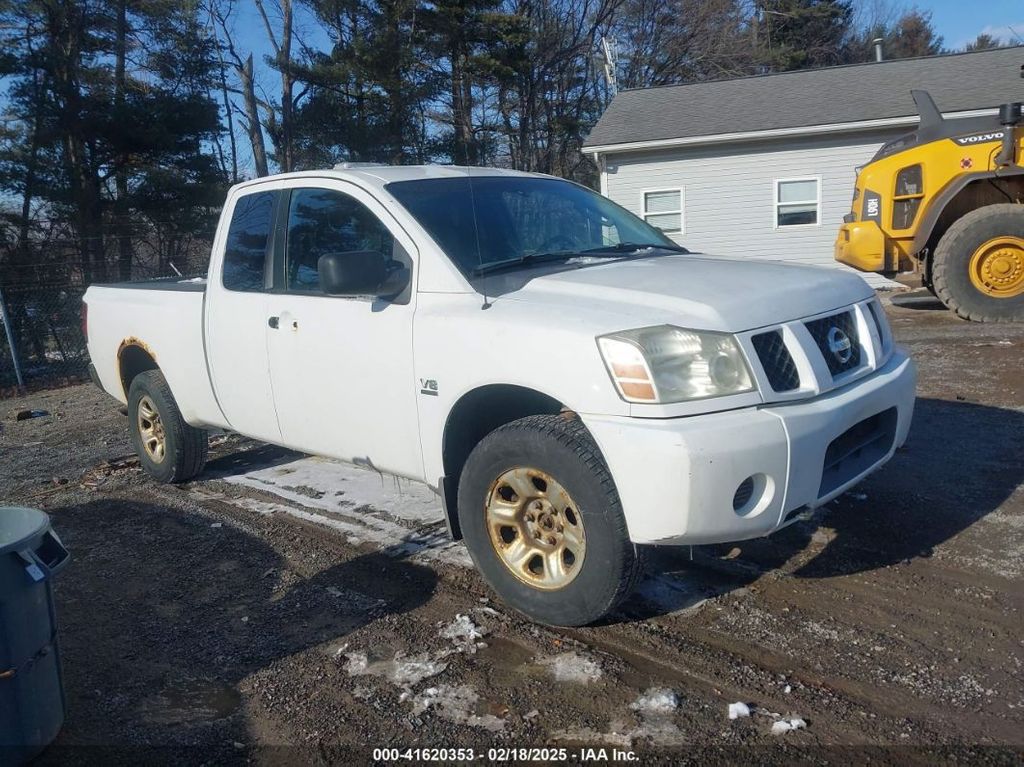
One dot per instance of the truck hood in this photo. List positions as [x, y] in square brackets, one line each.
[695, 291]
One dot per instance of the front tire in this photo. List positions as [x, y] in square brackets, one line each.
[543, 523]
[978, 267]
[169, 449]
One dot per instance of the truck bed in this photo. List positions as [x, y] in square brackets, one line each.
[164, 318]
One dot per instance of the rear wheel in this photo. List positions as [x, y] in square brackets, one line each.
[978, 267]
[169, 449]
[543, 522]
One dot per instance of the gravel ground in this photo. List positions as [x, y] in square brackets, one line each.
[219, 622]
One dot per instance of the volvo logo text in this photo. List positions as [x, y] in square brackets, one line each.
[839, 344]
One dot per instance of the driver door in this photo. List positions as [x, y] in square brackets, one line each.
[342, 367]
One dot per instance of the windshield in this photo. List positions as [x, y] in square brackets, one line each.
[485, 220]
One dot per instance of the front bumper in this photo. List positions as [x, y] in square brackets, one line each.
[678, 478]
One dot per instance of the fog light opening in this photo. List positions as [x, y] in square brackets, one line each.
[743, 494]
[753, 495]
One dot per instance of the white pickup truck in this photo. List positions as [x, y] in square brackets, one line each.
[570, 381]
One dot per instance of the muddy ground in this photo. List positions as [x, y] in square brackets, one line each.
[245, 615]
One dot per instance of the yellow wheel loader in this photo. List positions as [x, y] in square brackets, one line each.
[946, 201]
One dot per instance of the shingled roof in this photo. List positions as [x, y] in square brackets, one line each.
[790, 100]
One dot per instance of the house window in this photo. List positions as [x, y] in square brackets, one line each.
[663, 209]
[797, 202]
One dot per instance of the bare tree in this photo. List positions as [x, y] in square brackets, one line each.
[220, 13]
[281, 130]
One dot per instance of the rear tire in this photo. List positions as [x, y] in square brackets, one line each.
[168, 448]
[978, 265]
[566, 490]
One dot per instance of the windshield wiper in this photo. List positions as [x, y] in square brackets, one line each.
[633, 247]
[605, 251]
[529, 258]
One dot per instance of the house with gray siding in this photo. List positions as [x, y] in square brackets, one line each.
[764, 166]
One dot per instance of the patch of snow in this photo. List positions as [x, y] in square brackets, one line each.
[402, 670]
[738, 710]
[463, 628]
[341, 486]
[456, 704]
[586, 260]
[656, 700]
[356, 664]
[397, 541]
[786, 725]
[395, 514]
[572, 667]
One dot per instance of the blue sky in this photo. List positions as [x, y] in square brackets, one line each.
[961, 21]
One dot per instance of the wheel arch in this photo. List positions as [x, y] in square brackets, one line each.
[962, 195]
[134, 356]
[474, 415]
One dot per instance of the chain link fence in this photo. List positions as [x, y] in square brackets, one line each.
[43, 344]
[42, 341]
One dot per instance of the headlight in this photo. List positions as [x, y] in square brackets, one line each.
[667, 364]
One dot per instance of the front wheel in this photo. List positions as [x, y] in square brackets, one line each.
[169, 449]
[543, 522]
[978, 267]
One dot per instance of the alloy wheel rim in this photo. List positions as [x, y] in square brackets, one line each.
[997, 267]
[536, 528]
[151, 430]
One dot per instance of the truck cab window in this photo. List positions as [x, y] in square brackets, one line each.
[245, 254]
[322, 221]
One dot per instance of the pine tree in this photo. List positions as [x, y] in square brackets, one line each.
[105, 95]
[801, 34]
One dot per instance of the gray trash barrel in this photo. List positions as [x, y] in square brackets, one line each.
[31, 685]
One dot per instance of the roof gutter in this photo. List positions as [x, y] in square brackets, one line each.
[804, 130]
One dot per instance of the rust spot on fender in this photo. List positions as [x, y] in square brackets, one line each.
[133, 341]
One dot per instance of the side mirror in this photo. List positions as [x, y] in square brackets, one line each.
[361, 273]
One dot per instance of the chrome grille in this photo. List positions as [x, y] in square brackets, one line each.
[828, 332]
[776, 360]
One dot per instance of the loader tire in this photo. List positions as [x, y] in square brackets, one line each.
[169, 450]
[543, 522]
[978, 266]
